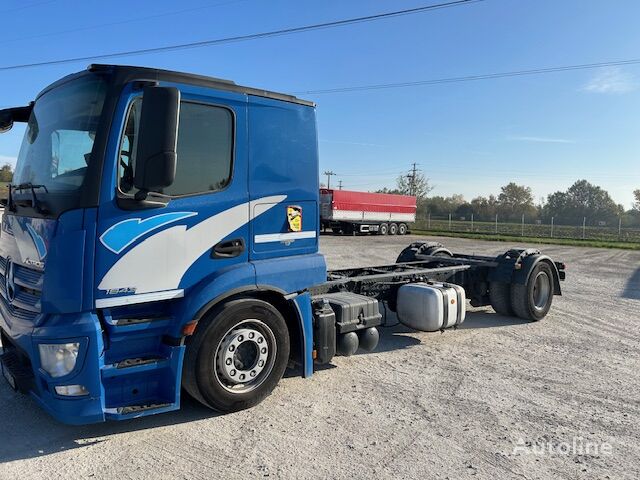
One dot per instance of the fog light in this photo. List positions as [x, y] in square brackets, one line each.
[71, 390]
[58, 359]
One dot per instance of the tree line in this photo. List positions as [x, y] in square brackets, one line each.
[581, 200]
[570, 207]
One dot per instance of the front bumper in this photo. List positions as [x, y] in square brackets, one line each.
[20, 360]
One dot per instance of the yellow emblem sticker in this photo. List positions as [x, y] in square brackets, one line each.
[294, 218]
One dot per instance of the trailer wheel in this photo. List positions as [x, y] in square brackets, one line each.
[402, 229]
[238, 354]
[500, 296]
[533, 300]
[383, 229]
[393, 229]
[336, 230]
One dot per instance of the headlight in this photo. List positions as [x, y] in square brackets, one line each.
[58, 359]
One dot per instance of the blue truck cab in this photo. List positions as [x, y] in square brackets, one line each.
[161, 233]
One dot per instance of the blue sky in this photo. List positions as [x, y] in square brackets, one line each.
[544, 131]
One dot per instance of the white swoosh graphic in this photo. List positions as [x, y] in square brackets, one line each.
[159, 262]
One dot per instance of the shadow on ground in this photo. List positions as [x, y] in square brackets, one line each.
[28, 432]
[632, 288]
[478, 319]
[490, 319]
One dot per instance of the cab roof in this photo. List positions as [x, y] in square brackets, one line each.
[126, 73]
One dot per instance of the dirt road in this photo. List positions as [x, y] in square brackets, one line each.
[479, 402]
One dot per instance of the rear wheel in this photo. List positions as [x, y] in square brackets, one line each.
[393, 229]
[402, 229]
[238, 355]
[532, 301]
[383, 229]
[500, 296]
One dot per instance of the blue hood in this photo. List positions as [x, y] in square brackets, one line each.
[26, 240]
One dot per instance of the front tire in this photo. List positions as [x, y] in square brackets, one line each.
[237, 355]
[533, 300]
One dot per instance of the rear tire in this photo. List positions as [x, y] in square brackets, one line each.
[533, 300]
[402, 229]
[500, 296]
[383, 229]
[237, 355]
[393, 229]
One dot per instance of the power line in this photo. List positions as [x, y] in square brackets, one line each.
[23, 7]
[469, 78]
[375, 173]
[123, 22]
[252, 36]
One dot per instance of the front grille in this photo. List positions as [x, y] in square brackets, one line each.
[28, 284]
[28, 278]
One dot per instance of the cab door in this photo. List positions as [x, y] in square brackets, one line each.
[153, 254]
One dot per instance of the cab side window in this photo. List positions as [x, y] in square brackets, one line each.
[205, 149]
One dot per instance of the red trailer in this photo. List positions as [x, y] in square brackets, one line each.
[350, 212]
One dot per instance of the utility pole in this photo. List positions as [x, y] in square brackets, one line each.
[412, 179]
[328, 173]
[339, 184]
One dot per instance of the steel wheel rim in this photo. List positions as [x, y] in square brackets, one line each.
[541, 290]
[245, 356]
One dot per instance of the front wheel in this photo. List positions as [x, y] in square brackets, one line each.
[532, 301]
[238, 355]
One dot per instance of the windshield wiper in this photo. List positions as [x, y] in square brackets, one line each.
[34, 198]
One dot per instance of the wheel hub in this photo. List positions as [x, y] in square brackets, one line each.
[242, 355]
[541, 290]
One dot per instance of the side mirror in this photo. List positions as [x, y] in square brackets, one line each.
[6, 120]
[155, 166]
[10, 115]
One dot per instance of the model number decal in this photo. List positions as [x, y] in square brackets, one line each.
[120, 291]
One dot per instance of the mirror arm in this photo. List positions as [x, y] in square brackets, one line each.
[141, 194]
[128, 202]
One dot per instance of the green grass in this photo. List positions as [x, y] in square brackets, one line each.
[517, 238]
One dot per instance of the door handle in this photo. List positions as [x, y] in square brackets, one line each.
[228, 248]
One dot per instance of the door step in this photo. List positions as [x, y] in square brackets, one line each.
[123, 322]
[135, 362]
[133, 365]
[140, 408]
[126, 412]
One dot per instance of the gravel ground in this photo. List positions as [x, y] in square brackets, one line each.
[451, 405]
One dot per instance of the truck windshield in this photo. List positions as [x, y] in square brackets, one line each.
[58, 141]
